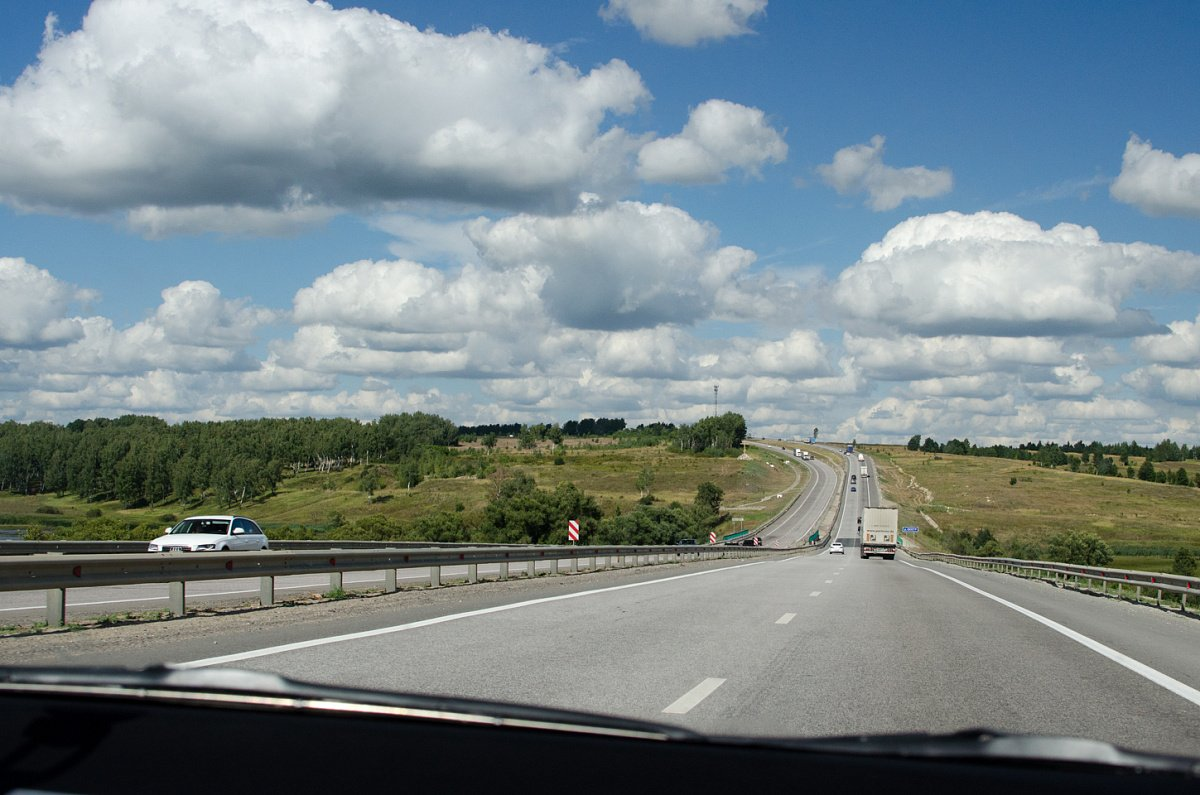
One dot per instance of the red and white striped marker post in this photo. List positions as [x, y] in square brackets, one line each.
[712, 538]
[573, 530]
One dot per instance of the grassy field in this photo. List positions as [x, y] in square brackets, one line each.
[603, 471]
[939, 492]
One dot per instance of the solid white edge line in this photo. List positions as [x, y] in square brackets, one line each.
[785, 618]
[1141, 669]
[370, 633]
[685, 703]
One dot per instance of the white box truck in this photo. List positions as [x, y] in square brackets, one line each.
[861, 458]
[879, 532]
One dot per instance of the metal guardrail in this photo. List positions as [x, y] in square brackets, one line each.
[130, 547]
[56, 573]
[1066, 572]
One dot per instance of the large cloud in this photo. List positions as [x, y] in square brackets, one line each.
[185, 113]
[407, 297]
[620, 266]
[1157, 182]
[685, 23]
[1181, 345]
[860, 168]
[998, 274]
[33, 304]
[194, 330]
[719, 135]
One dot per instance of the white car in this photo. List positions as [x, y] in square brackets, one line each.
[837, 548]
[211, 534]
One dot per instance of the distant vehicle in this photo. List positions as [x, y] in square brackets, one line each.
[863, 471]
[849, 449]
[854, 488]
[879, 532]
[861, 458]
[686, 542]
[853, 478]
[799, 453]
[836, 548]
[211, 534]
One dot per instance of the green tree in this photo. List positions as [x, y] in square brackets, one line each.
[1181, 478]
[645, 481]
[1146, 471]
[914, 442]
[1184, 562]
[708, 498]
[1079, 548]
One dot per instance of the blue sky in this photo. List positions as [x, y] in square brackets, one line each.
[879, 218]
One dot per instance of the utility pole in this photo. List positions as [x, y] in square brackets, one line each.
[715, 388]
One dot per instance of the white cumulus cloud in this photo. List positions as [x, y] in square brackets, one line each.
[624, 265]
[264, 115]
[686, 23]
[718, 136]
[860, 169]
[1158, 182]
[1001, 275]
[33, 305]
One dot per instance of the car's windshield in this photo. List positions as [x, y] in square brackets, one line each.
[206, 526]
[554, 346]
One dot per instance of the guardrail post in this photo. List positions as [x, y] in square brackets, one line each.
[1182, 603]
[531, 569]
[435, 576]
[56, 607]
[335, 581]
[175, 598]
[472, 572]
[504, 569]
[574, 565]
[266, 591]
[389, 581]
[554, 566]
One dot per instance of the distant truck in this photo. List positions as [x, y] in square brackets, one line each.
[863, 471]
[861, 458]
[879, 527]
[849, 449]
[799, 453]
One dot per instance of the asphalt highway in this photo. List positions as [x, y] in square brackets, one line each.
[789, 645]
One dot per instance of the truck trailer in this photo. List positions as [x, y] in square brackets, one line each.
[879, 527]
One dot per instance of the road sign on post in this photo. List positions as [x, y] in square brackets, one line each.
[712, 537]
[573, 530]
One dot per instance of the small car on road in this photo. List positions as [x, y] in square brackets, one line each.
[836, 548]
[211, 534]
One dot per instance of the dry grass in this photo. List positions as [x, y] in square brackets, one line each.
[969, 493]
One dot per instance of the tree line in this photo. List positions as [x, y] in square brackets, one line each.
[141, 460]
[1095, 458]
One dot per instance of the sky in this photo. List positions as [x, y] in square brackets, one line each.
[878, 219]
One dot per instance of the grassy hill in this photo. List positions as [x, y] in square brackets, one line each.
[1143, 522]
[320, 500]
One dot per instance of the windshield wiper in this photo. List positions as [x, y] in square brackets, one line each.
[985, 745]
[232, 687]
